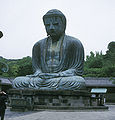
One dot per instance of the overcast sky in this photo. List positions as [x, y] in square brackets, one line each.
[91, 21]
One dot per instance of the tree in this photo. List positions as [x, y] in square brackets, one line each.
[109, 57]
[109, 60]
[25, 66]
[94, 61]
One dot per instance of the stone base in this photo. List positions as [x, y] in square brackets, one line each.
[29, 99]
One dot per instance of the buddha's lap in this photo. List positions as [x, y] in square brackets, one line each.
[27, 79]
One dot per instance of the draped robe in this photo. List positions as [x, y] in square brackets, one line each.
[69, 66]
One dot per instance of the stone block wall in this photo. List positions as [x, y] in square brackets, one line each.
[43, 99]
[29, 99]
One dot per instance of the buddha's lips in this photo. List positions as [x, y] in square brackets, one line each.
[52, 32]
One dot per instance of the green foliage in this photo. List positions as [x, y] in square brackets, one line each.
[14, 70]
[3, 65]
[94, 61]
[18, 67]
[109, 57]
[99, 65]
[109, 71]
[92, 72]
[25, 67]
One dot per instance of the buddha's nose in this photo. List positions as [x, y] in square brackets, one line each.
[52, 27]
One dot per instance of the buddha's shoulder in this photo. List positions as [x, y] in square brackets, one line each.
[40, 42]
[71, 39]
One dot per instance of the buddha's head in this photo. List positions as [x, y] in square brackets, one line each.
[55, 23]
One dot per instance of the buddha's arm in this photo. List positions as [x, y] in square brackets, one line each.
[35, 74]
[74, 58]
[69, 72]
[36, 61]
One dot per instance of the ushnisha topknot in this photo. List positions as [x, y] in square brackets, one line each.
[55, 12]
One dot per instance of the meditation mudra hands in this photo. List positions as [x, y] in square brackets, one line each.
[48, 75]
[66, 73]
[45, 75]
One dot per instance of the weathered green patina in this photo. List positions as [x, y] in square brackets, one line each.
[57, 60]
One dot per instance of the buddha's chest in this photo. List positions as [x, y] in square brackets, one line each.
[53, 56]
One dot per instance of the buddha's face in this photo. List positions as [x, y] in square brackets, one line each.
[54, 26]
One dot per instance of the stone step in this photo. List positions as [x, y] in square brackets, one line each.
[43, 107]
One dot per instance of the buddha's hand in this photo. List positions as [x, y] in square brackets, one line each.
[48, 75]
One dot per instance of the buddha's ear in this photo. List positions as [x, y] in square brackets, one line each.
[1, 34]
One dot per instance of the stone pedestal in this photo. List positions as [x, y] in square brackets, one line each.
[29, 99]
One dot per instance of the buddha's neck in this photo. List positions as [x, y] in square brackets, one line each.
[55, 39]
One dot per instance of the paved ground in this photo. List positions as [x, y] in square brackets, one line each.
[57, 115]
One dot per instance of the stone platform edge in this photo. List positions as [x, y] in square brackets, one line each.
[49, 92]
